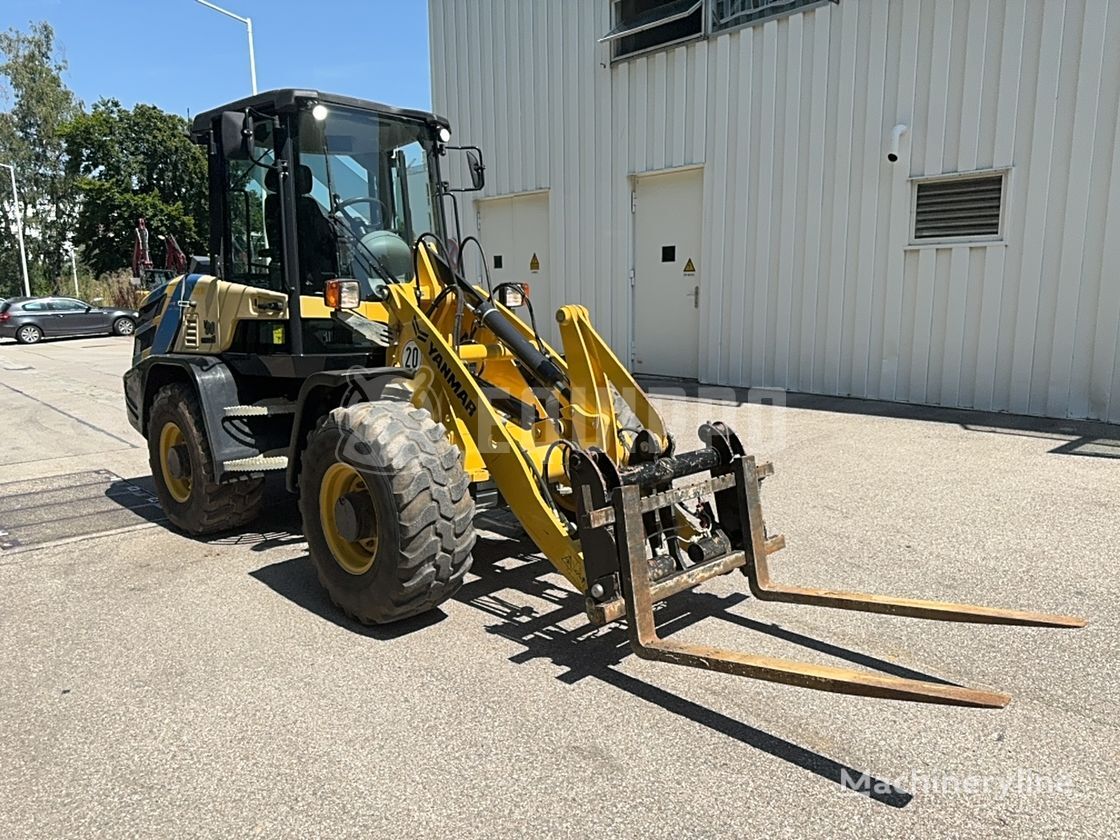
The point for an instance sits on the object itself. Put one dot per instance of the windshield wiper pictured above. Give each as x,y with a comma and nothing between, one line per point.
371,262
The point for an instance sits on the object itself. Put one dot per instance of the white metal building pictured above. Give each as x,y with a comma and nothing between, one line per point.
713,182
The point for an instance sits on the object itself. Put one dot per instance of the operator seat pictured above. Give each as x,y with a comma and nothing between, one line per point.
315,238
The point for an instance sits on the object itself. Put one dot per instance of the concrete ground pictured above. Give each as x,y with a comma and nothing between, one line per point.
154,685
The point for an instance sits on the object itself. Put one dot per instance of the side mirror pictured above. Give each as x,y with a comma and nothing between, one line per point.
237,135
474,165
477,168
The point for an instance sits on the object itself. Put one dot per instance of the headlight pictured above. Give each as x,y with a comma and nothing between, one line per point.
512,295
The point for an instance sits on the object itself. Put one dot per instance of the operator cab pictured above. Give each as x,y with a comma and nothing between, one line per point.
307,187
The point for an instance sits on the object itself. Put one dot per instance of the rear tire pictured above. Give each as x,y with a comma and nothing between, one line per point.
29,334
190,497
124,326
415,549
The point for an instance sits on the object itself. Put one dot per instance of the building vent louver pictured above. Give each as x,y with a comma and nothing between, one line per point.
959,208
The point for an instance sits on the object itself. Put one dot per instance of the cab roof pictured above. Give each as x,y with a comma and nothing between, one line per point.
290,99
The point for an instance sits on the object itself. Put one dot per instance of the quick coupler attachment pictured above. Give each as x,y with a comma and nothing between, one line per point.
645,540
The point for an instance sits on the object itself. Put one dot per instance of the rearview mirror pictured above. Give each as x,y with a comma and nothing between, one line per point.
477,169
475,166
237,135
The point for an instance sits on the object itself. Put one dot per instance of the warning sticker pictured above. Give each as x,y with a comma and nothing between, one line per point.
689,268
534,264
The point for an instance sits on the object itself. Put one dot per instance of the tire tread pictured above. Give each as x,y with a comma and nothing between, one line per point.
430,493
225,506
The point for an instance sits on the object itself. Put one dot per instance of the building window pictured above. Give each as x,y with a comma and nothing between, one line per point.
727,14
960,207
646,24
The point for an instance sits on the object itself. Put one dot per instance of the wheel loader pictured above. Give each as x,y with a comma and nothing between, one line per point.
340,342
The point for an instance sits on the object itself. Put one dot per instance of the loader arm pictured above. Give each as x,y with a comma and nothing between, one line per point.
607,511
492,446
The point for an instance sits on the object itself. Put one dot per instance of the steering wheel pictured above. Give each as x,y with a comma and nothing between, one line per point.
354,219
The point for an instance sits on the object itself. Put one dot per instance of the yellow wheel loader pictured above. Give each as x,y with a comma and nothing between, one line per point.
339,341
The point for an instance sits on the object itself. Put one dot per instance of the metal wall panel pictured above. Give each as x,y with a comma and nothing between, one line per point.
813,285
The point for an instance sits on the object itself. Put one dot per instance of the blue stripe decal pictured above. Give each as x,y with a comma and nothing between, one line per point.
173,315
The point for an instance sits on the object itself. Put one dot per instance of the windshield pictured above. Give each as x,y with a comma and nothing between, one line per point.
366,186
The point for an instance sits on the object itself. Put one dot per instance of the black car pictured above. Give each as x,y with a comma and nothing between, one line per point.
27,320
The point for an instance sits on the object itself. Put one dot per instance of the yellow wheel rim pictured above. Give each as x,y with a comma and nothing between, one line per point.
171,436
355,557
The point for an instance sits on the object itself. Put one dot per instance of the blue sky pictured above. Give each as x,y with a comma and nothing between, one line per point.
182,56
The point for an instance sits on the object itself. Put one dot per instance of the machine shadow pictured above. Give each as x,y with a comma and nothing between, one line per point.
277,526
585,651
295,580
278,523
137,495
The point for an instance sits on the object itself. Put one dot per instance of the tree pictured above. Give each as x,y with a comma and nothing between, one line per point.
31,140
131,164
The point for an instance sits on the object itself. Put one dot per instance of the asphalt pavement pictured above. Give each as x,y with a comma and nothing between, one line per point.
155,685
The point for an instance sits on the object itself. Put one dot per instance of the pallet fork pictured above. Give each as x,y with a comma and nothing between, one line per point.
617,509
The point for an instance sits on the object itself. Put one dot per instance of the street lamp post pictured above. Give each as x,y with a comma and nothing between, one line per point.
74,269
249,28
19,229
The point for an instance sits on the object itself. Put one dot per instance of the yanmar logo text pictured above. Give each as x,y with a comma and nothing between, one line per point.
453,382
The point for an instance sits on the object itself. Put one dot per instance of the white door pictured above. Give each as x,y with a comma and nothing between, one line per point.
668,275
514,232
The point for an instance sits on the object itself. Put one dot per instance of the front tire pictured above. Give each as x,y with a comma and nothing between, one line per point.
386,510
124,326
179,455
29,334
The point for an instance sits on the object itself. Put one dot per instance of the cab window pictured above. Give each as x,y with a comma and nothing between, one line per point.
365,196
254,246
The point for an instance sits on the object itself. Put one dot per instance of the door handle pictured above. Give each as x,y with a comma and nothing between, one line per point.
695,295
